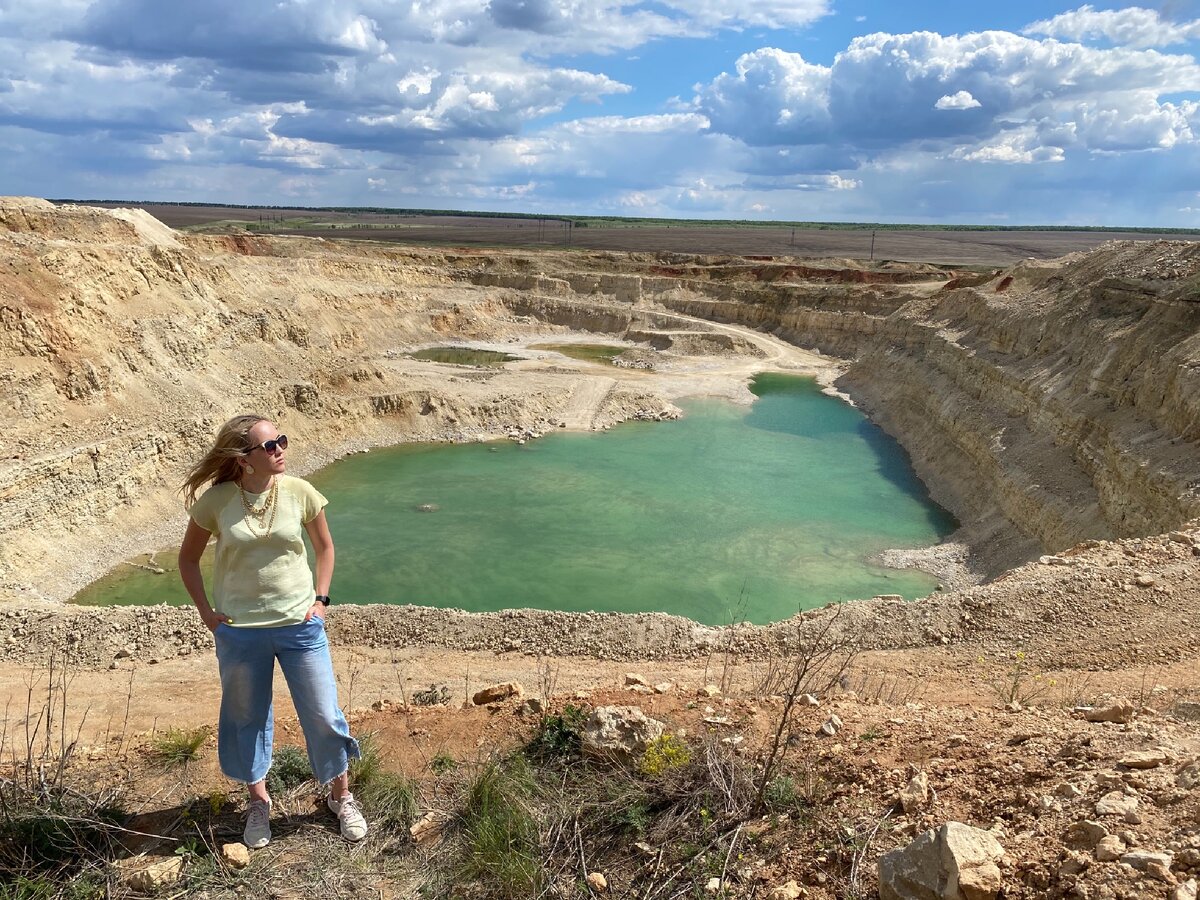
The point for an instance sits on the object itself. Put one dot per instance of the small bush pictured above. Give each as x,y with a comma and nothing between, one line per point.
1019,684
634,818
177,746
86,886
500,832
442,763
289,769
388,797
663,754
558,736
55,837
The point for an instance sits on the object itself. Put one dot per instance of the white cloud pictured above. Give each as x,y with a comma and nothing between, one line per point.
959,100
774,97
1018,147
890,90
1129,27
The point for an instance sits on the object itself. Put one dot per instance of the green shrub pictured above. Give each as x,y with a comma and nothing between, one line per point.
389,798
500,832
663,754
442,763
558,736
177,746
289,769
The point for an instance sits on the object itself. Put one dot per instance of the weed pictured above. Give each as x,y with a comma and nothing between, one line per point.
822,660
1019,684
663,754
289,769
558,736
87,885
177,746
1075,689
500,831
781,794
50,832
442,763
389,796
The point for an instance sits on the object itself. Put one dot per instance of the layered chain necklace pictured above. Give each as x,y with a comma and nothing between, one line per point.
259,514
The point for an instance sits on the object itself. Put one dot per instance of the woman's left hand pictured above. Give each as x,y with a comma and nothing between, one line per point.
318,610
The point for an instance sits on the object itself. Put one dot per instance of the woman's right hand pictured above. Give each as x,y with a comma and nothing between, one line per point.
212,619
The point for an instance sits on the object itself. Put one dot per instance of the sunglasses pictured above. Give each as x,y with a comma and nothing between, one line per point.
269,446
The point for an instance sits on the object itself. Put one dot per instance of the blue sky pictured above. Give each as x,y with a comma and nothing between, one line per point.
1014,113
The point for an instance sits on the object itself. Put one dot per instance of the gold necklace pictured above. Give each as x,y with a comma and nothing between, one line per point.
252,513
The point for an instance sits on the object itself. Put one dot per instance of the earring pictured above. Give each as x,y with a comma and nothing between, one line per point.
249,469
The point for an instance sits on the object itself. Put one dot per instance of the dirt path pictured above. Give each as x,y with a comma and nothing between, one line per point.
587,396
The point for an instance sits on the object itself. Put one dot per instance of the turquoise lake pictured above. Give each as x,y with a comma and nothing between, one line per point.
730,513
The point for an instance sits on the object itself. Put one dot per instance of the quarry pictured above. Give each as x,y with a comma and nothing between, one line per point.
1052,406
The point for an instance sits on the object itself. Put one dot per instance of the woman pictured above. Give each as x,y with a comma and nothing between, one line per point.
265,608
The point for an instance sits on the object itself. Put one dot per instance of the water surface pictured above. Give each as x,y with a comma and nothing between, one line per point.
730,513
600,353
465,356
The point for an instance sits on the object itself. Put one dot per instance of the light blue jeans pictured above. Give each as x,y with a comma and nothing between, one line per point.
246,658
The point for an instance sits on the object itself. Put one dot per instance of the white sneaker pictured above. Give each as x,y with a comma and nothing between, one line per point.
351,821
258,825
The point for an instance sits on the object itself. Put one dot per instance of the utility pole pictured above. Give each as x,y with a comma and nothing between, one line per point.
872,246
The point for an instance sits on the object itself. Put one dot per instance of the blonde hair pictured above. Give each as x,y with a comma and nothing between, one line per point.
219,464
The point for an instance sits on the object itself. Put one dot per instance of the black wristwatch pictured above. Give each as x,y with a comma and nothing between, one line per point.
323,599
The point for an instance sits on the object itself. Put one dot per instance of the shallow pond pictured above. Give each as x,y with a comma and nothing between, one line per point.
601,353
729,513
464,356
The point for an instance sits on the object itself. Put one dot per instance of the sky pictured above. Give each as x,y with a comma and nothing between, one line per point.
1008,113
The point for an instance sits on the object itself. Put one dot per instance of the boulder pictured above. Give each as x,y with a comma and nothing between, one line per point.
618,733
531,707
1109,848
830,727
1144,759
789,891
1086,833
1156,865
1117,709
235,855
1115,803
953,862
632,678
915,795
597,882
497,692
1187,776
1185,891
162,873
428,829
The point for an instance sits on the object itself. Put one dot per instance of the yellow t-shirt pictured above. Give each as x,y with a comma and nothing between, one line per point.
260,581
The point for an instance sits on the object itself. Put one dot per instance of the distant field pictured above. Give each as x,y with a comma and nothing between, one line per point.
938,245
